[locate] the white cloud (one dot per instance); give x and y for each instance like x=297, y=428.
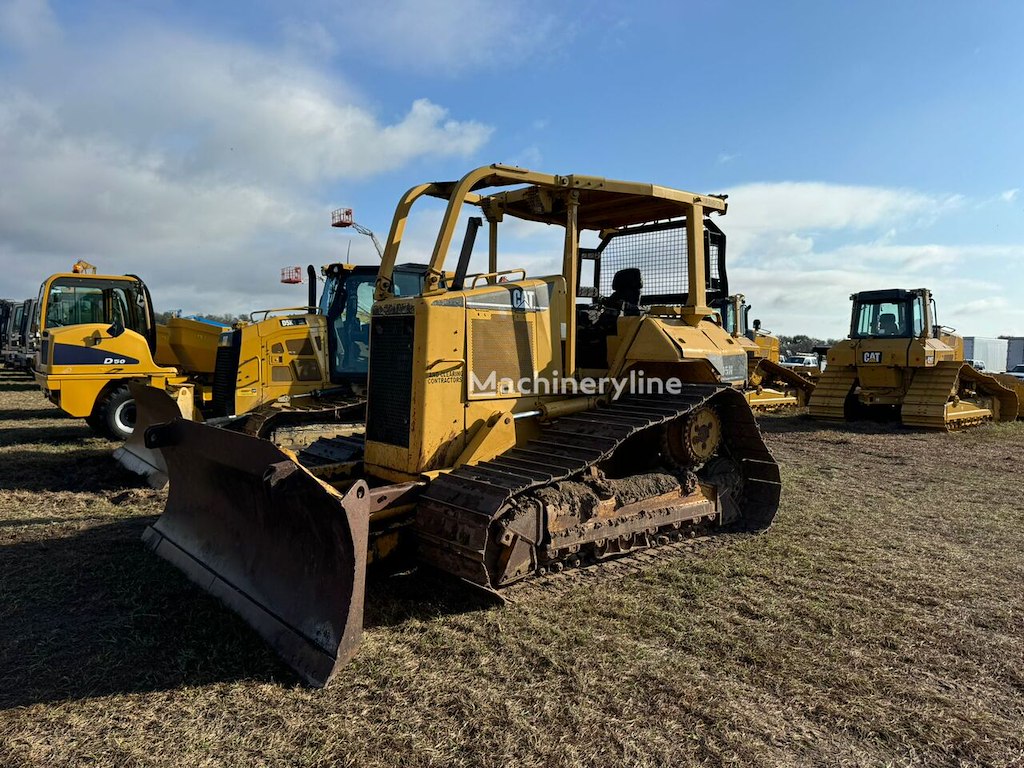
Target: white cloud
x=1009, y=195
x=449, y=36
x=241, y=113
x=726, y=157
x=798, y=250
x=200, y=165
x=27, y=23
x=809, y=206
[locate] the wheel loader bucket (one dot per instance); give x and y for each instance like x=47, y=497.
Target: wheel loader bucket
x=152, y=406
x=251, y=526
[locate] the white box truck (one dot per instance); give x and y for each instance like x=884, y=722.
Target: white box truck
x=986, y=354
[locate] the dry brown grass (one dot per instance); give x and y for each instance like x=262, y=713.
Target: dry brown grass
x=881, y=621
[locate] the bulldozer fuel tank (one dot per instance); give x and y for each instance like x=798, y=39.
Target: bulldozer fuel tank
x=252, y=527
x=548, y=503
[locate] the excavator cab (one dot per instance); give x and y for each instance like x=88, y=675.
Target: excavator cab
x=346, y=302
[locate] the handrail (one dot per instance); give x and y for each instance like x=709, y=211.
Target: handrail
x=265, y=312
x=483, y=275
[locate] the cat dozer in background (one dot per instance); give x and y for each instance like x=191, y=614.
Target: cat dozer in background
x=770, y=386
x=899, y=363
x=469, y=455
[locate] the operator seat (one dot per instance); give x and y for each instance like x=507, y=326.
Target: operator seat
x=887, y=325
x=627, y=285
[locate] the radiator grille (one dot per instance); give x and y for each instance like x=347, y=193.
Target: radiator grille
x=502, y=344
x=225, y=376
x=390, y=379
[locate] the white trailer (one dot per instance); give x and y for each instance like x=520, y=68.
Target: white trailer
x=991, y=353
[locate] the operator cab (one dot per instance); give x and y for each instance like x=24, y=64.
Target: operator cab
x=123, y=304
x=895, y=313
x=735, y=316
x=346, y=302
x=637, y=267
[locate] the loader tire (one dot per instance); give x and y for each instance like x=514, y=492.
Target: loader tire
x=116, y=413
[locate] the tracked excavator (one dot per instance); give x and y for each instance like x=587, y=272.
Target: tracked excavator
x=516, y=425
x=770, y=386
x=899, y=363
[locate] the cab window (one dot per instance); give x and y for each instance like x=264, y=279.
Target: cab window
x=881, y=319
x=74, y=301
x=918, y=317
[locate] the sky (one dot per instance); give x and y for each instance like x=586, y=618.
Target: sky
x=203, y=145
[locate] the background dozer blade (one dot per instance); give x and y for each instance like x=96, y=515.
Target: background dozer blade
x=152, y=406
x=252, y=527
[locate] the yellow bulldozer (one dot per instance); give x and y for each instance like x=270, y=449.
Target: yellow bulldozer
x=516, y=425
x=770, y=386
x=899, y=363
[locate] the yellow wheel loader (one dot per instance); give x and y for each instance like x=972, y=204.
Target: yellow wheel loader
x=516, y=425
x=97, y=333
x=899, y=363
x=770, y=386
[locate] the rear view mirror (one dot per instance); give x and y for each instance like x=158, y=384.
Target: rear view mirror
x=116, y=328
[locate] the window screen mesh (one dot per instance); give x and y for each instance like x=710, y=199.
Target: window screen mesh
x=659, y=252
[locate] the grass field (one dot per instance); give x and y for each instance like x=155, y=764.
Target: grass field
x=880, y=622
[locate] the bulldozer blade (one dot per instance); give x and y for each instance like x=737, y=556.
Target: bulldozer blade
x=152, y=406
x=252, y=527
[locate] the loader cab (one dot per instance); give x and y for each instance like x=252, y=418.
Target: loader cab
x=5, y=317
x=734, y=313
x=123, y=303
x=895, y=313
x=346, y=302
